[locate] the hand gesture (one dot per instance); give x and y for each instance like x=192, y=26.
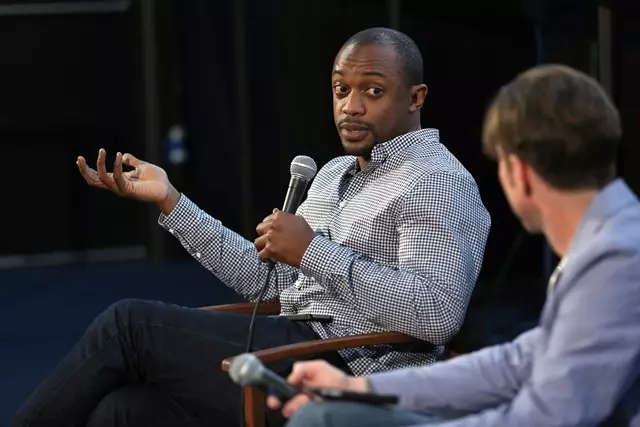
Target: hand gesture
x=316, y=374
x=146, y=182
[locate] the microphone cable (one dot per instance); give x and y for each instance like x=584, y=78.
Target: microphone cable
x=303, y=169
x=263, y=291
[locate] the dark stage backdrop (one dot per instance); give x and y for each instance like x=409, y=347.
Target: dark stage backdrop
x=74, y=83
x=626, y=90
x=70, y=84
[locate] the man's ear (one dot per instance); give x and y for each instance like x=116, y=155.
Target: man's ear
x=521, y=171
x=418, y=94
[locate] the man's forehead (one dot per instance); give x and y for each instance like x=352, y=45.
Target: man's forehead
x=371, y=58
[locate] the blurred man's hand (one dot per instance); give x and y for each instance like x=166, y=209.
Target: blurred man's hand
x=316, y=374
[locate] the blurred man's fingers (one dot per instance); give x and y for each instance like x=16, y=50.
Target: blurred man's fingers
x=292, y=406
x=297, y=373
x=304, y=370
x=273, y=402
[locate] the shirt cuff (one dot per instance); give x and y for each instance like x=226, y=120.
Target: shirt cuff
x=181, y=219
x=324, y=258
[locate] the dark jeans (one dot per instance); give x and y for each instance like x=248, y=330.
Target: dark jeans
x=147, y=364
x=355, y=415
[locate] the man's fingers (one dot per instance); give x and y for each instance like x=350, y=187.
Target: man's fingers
x=118, y=177
x=101, y=165
x=292, y=406
x=82, y=163
x=103, y=176
x=261, y=242
x=89, y=175
x=264, y=255
x=263, y=227
x=131, y=160
x=298, y=373
x=270, y=217
x=273, y=402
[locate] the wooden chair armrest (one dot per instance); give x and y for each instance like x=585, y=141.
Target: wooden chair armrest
x=266, y=308
x=293, y=351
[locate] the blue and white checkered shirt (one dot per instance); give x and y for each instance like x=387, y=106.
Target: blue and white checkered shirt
x=399, y=247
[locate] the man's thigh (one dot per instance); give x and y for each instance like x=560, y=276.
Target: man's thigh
x=182, y=350
x=204, y=339
x=177, y=351
x=338, y=414
x=199, y=341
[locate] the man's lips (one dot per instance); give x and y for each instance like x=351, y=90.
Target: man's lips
x=354, y=132
x=353, y=127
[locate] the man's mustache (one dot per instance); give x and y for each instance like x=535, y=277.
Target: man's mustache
x=353, y=123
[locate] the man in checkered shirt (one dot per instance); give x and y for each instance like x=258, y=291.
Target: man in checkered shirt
x=390, y=238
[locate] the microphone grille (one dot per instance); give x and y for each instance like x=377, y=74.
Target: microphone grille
x=244, y=369
x=304, y=167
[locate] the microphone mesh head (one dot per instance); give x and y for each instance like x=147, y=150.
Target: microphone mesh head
x=244, y=369
x=303, y=167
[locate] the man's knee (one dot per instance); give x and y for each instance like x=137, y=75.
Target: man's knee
x=124, y=312
x=329, y=414
x=335, y=414
x=135, y=405
x=311, y=415
x=126, y=406
x=346, y=414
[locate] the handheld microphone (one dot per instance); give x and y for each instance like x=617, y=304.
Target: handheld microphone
x=247, y=371
x=302, y=169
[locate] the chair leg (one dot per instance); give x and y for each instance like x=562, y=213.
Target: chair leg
x=254, y=407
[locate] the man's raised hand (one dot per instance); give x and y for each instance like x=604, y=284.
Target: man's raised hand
x=146, y=182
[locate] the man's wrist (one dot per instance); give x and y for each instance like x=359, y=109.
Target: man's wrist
x=358, y=384
x=170, y=202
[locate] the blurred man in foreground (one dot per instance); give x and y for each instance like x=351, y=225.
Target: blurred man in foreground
x=555, y=135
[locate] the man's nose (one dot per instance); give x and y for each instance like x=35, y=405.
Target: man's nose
x=353, y=105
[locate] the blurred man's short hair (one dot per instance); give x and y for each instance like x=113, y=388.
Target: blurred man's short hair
x=561, y=122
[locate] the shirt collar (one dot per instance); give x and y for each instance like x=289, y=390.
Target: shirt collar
x=390, y=148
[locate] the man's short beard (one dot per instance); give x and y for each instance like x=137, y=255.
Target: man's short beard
x=364, y=152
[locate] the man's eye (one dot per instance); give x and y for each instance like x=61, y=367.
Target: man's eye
x=374, y=91
x=340, y=89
